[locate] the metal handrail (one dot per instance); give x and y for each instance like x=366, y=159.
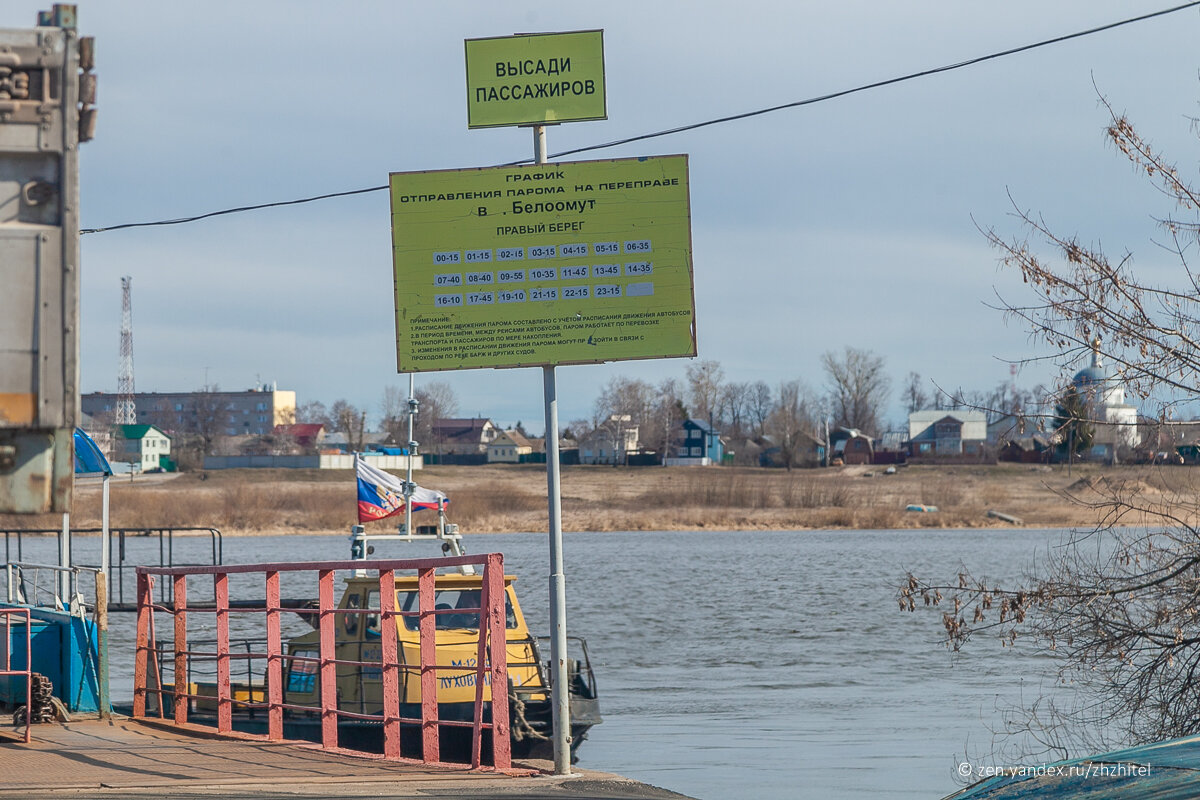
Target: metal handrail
x=62, y=602
x=490, y=662
x=166, y=548
x=9, y=613
x=78, y=609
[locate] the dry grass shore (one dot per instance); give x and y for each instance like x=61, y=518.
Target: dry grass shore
x=507, y=498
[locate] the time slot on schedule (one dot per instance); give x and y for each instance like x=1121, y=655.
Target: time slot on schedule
x=480, y=278
x=574, y=273
x=480, y=298
x=447, y=300
x=576, y=292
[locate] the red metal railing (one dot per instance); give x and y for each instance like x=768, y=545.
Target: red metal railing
x=9, y=613
x=491, y=663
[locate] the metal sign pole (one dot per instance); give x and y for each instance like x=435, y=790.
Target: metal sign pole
x=409, y=448
x=559, y=696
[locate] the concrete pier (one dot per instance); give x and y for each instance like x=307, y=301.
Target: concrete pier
x=123, y=758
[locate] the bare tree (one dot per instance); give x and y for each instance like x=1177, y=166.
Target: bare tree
x=393, y=413
x=1116, y=606
x=792, y=421
x=915, y=397
x=210, y=417
x=665, y=415
x=858, y=388
x=704, y=380
x=314, y=412
x=733, y=408
x=626, y=397
x=760, y=404
x=435, y=400
x=349, y=420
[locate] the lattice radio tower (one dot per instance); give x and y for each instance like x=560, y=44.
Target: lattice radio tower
x=126, y=412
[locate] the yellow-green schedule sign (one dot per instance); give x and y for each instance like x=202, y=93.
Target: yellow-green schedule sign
x=535, y=79
x=568, y=263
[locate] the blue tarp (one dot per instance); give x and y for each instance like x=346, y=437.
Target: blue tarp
x=88, y=458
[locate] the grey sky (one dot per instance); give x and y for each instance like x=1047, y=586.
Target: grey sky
x=844, y=223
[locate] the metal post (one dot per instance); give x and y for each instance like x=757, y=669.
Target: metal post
x=560, y=697
x=105, y=534
x=64, y=561
x=102, y=677
x=274, y=660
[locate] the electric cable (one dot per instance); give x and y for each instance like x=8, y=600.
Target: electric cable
x=692, y=126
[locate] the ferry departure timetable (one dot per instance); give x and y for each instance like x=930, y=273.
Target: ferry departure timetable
x=565, y=263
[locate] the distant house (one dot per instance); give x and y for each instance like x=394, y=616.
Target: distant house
x=696, y=444
x=851, y=446
x=463, y=436
x=509, y=447
x=611, y=443
x=144, y=446
x=808, y=451
x=1036, y=448
x=306, y=436
x=947, y=433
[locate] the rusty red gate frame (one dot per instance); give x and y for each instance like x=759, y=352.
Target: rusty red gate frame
x=492, y=656
x=9, y=613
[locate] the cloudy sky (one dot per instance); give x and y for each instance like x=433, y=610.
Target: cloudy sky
x=849, y=222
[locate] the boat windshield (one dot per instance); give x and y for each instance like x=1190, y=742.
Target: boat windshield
x=444, y=600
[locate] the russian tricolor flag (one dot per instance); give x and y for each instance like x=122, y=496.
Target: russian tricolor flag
x=381, y=494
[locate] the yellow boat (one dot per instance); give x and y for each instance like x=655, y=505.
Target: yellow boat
x=358, y=638
x=360, y=689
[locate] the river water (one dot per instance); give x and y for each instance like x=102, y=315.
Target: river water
x=746, y=664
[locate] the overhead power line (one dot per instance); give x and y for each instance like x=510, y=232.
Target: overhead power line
x=693, y=126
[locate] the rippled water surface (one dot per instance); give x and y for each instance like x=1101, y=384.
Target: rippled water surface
x=748, y=664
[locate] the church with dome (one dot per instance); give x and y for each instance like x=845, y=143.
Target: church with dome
x=1113, y=420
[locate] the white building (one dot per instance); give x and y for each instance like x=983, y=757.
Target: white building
x=1113, y=420
x=144, y=446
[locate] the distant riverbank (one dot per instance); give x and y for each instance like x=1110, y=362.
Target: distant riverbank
x=510, y=498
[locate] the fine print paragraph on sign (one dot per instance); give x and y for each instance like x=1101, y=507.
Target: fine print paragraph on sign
x=567, y=263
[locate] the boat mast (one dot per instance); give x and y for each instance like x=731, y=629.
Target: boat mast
x=412, y=451
x=446, y=532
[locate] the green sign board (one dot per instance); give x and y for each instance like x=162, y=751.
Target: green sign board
x=535, y=79
x=566, y=263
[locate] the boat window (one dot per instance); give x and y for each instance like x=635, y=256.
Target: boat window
x=350, y=621
x=371, y=626
x=448, y=600
x=302, y=675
